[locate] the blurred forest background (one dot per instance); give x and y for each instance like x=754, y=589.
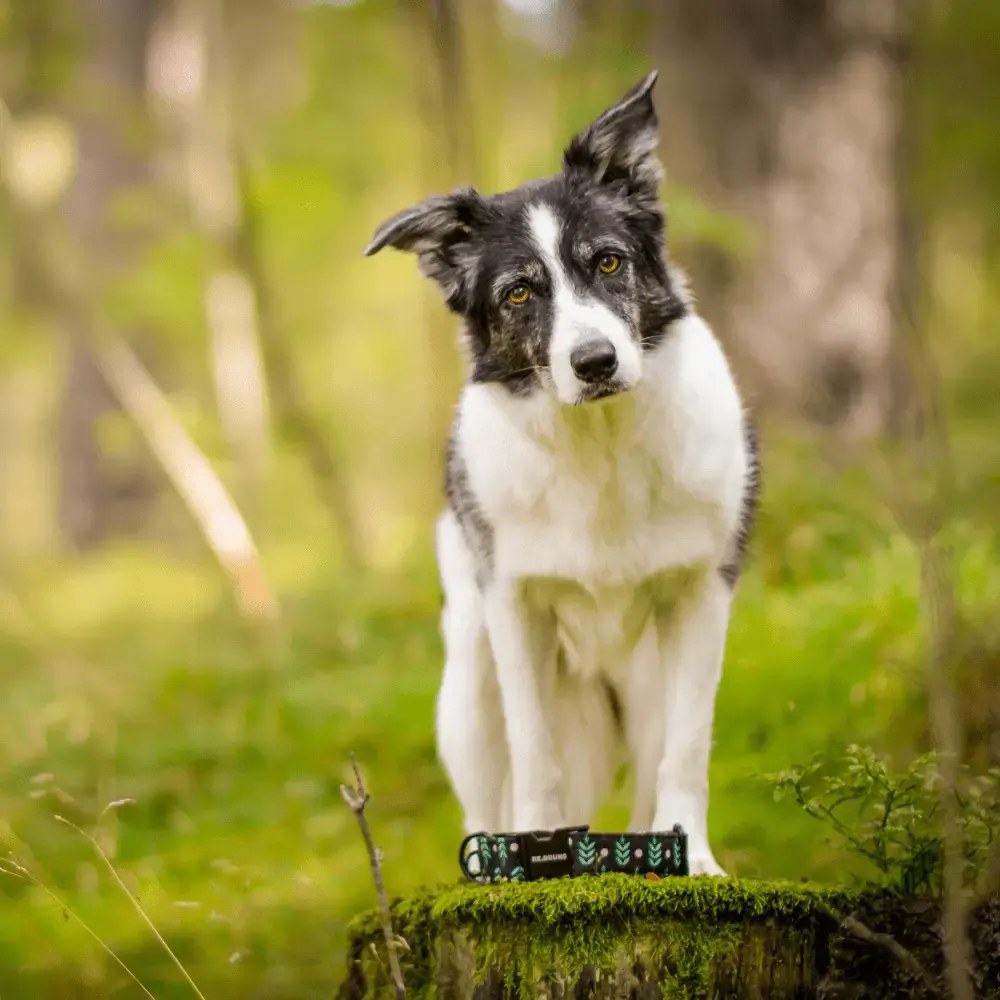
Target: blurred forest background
x=221, y=429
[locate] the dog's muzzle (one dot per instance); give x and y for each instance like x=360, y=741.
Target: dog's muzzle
x=594, y=361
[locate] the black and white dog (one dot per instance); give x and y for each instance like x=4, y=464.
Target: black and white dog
x=601, y=480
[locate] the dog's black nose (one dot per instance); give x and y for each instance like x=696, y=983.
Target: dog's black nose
x=594, y=360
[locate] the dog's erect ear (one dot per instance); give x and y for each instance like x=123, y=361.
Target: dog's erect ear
x=620, y=145
x=442, y=232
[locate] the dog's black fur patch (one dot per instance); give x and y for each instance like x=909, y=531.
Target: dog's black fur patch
x=730, y=570
x=607, y=200
x=463, y=503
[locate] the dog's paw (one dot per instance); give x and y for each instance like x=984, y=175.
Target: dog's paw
x=704, y=864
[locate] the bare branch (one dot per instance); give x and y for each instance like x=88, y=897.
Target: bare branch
x=357, y=798
x=928, y=516
x=887, y=942
x=939, y=598
x=194, y=479
x=287, y=397
x=252, y=358
x=200, y=126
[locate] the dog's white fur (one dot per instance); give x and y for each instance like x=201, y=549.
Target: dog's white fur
x=577, y=319
x=610, y=522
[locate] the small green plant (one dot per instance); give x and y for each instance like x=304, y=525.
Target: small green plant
x=892, y=819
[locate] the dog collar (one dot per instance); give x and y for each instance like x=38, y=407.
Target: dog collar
x=570, y=851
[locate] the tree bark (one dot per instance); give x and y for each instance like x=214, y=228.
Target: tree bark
x=785, y=114
x=450, y=157
x=103, y=494
x=618, y=936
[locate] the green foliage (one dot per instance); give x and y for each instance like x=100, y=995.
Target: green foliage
x=126, y=674
x=957, y=90
x=893, y=819
x=233, y=749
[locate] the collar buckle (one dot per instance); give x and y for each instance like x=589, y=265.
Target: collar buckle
x=549, y=853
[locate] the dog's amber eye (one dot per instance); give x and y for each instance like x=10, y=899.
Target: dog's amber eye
x=609, y=263
x=519, y=294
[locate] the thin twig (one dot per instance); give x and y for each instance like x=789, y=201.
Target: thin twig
x=290, y=403
x=939, y=596
x=135, y=902
x=357, y=798
x=17, y=870
x=819, y=811
x=887, y=942
x=931, y=465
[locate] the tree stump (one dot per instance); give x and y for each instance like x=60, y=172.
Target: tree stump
x=619, y=936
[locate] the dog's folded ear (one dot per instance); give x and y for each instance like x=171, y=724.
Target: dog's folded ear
x=620, y=146
x=442, y=231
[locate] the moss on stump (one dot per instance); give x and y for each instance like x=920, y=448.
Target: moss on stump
x=685, y=938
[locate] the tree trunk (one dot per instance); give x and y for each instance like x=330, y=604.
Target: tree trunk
x=785, y=114
x=439, y=33
x=61, y=280
x=103, y=494
x=619, y=936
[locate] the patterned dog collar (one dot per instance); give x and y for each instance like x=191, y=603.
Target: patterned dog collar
x=525, y=857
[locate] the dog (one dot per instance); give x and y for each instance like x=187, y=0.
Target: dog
x=601, y=482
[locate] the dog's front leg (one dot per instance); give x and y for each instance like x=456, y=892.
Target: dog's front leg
x=692, y=638
x=522, y=635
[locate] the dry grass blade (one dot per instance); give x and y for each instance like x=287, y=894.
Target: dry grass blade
x=111, y=807
x=14, y=869
x=135, y=903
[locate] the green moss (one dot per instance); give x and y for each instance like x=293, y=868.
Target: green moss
x=597, y=898
x=685, y=935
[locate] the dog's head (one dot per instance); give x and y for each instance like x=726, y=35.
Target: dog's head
x=561, y=282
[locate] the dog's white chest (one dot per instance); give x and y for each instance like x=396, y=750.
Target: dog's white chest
x=598, y=628
x=590, y=510
x=615, y=492
x=602, y=506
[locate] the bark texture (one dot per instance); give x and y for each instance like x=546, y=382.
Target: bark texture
x=103, y=493
x=787, y=115
x=619, y=936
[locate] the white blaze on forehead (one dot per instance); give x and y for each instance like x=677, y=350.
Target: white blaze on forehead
x=577, y=318
x=544, y=228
